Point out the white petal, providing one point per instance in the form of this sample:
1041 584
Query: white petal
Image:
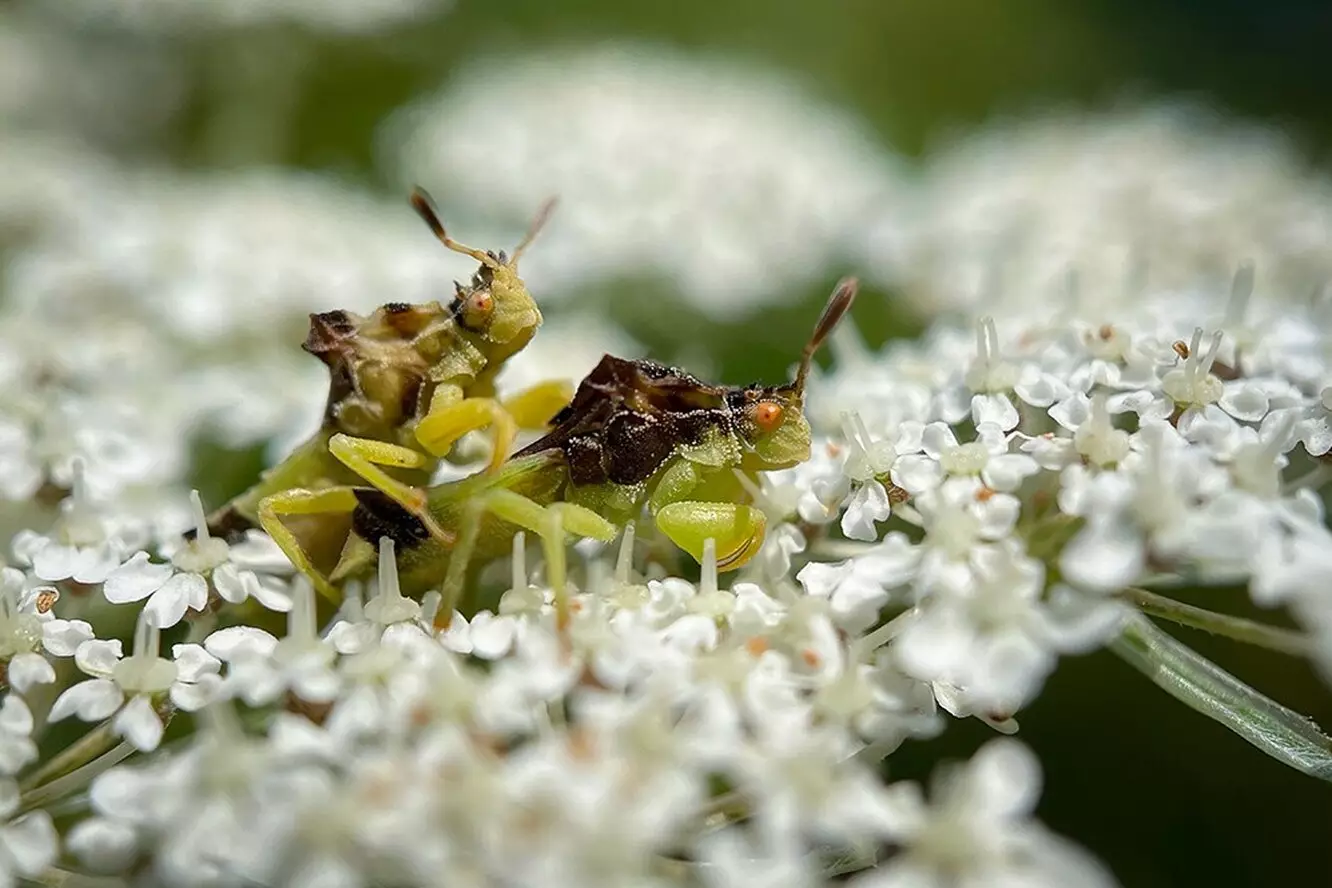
102 844
184 590
98 656
55 561
1072 412
491 636
998 515
1077 622
227 644
62 638
32 843
135 580
91 701
227 582
996 409
1039 389
95 564
192 662
1005 779
1105 556
916 474
1245 402
15 716
193 696
869 504
821 578
271 592
28 670
936 439
1007 471
139 724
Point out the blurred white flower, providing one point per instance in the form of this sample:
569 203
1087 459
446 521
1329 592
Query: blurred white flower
733 185
977 830
125 689
1173 196
175 16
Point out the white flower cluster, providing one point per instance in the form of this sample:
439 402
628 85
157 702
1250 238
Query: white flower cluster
187 297
1172 194
174 16
672 733
1035 467
728 183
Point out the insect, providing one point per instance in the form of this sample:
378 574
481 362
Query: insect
407 381
637 435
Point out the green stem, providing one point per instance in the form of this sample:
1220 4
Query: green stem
85 749
1313 479
1200 684
43 796
1273 638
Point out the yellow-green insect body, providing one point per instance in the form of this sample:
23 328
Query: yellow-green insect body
638 436
407 381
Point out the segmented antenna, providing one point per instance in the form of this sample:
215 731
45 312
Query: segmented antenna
538 223
425 208
838 304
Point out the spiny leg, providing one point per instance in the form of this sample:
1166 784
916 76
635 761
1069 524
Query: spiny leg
534 407
737 529
549 522
441 428
300 501
365 456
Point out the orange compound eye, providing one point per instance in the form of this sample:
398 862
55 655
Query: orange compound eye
768 415
481 303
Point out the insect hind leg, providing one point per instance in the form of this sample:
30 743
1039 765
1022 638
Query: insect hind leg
300 501
551 523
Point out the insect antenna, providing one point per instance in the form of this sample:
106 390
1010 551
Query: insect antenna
538 223
425 208
838 303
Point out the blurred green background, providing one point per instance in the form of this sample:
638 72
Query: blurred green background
1165 797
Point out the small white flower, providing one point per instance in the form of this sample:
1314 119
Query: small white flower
260 668
986 457
960 517
124 687
16 747
28 845
85 544
977 829
857 589
24 618
169 592
997 639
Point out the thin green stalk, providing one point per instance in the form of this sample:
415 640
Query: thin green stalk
1200 684
1273 638
42 796
76 755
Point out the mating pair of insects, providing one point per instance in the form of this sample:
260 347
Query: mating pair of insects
408 382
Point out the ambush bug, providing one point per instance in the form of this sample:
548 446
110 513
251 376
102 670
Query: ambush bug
406 382
637 436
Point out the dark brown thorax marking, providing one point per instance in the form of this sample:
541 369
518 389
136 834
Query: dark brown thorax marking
628 417
377 515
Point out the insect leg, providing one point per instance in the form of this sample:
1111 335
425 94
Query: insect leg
533 408
441 428
365 456
300 501
737 529
550 522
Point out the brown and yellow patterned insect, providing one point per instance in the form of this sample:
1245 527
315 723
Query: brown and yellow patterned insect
638 436
406 383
